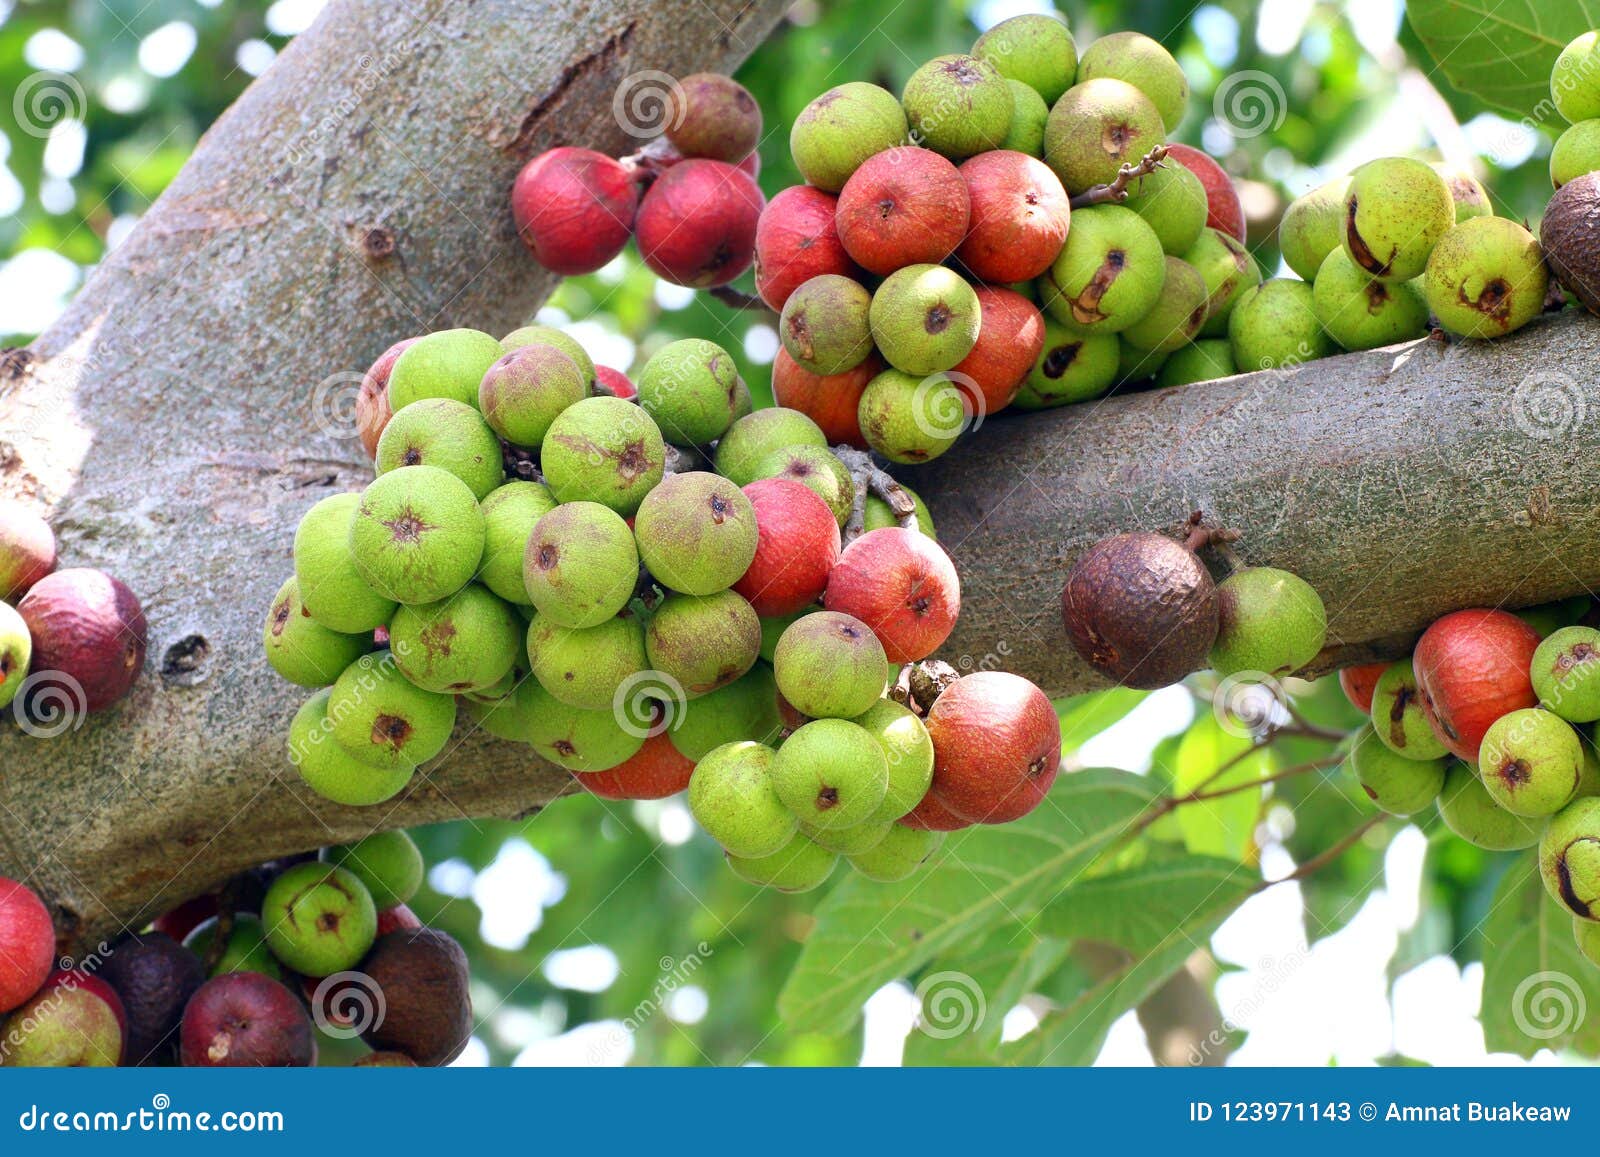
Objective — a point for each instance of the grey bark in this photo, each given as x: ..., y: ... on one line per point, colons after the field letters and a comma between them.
x: 197, y: 398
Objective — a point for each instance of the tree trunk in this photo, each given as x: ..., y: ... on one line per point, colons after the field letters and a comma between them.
x: 197, y: 398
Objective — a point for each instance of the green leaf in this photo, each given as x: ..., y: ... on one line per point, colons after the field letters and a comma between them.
x: 1223, y: 827
x: 1203, y: 893
x: 965, y: 996
x: 1085, y: 716
x: 867, y: 934
x: 1501, y: 51
x: 1538, y: 990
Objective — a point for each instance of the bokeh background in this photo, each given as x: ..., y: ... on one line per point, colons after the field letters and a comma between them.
x: 608, y: 934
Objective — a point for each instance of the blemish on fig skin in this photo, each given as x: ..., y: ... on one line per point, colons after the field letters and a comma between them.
x: 280, y: 617
x: 827, y: 798
x: 390, y: 731
x: 1059, y: 360
x: 937, y: 319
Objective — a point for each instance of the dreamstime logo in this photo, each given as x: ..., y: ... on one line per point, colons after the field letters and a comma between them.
x: 50, y: 703
x: 648, y: 703
x: 647, y: 104
x: 951, y: 1004
x: 45, y: 99
x: 945, y: 404
x: 333, y: 403
x: 1548, y: 405
x: 347, y: 1004
x: 1250, y: 103
x: 1547, y: 1005
x: 1246, y: 703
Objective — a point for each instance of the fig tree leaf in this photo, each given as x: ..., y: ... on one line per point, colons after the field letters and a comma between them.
x: 1223, y: 827
x: 1500, y: 52
x: 1085, y: 716
x: 1538, y: 990
x: 1205, y: 892
x: 867, y: 934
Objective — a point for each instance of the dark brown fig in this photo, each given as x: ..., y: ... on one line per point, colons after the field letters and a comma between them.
x: 427, y: 1010
x: 1570, y: 235
x: 155, y: 976
x: 1140, y: 609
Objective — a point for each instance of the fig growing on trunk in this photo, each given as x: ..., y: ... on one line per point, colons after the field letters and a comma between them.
x: 1140, y: 609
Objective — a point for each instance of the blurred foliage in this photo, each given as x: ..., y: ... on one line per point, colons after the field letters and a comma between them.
x: 630, y: 878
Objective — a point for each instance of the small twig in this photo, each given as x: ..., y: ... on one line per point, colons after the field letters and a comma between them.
x: 738, y: 298
x: 1298, y: 769
x: 649, y: 161
x: 1323, y: 858
x: 1117, y: 191
x: 868, y: 478
x: 1306, y: 729
x: 520, y: 462
x: 928, y: 680
x: 900, y: 690
x: 681, y: 461
x: 227, y: 906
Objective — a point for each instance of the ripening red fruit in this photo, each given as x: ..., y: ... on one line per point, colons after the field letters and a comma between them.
x: 655, y: 771
x: 996, y: 747
x: 1224, y: 209
x: 1358, y: 682
x: 27, y: 943
x: 903, y: 585
x: 574, y: 209
x: 697, y: 224
x: 1010, y: 340
x: 88, y: 627
x: 1473, y: 667
x: 186, y: 917
x: 1019, y: 216
x: 397, y: 919
x: 904, y: 206
x: 372, y: 398
x: 797, y: 544
x: 615, y: 383
x: 932, y: 816
x: 832, y: 402
x: 796, y: 241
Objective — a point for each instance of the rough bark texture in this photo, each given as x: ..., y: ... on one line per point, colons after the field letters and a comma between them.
x: 1400, y: 483
x: 198, y: 396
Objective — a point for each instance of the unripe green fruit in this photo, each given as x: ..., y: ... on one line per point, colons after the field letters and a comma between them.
x: 1028, y: 116
x: 799, y: 866
x: 586, y: 667
x: 818, y: 470
x: 772, y: 629
x: 1096, y: 127
x: 1576, y: 152
x: 1486, y: 278
x: 1471, y: 198
x: 1172, y: 201
x: 330, y: 770
x: 1313, y: 227
x: 824, y: 324
x: 331, y: 587
x: 1569, y: 858
x: 924, y: 318
x: 689, y: 388
x: 521, y: 394
x: 1566, y: 674
x: 1268, y: 620
x: 1228, y: 271
x: 16, y: 646
x: 572, y: 737
x: 1035, y: 49
x: 1548, y: 618
x: 299, y: 648
x: 848, y: 841
x: 958, y: 105
x: 388, y: 863
x: 1587, y: 934
x: 1395, y: 212
x: 1470, y: 812
x: 417, y: 535
x: 445, y: 433
x: 509, y: 515
x: 1177, y: 315
x: 319, y: 918
x: 696, y: 533
x: 831, y: 665
x: 751, y: 440
x: 1072, y: 367
x: 1361, y: 313
x: 909, y: 751
x: 581, y: 565
x: 703, y: 642
x: 446, y: 364
x: 603, y: 450
x: 840, y: 129
x: 898, y: 855
x: 878, y: 514
x: 1575, y: 79
x: 245, y: 951
x: 1203, y: 361
x: 1274, y: 325
x: 746, y: 709
x: 1108, y: 275
x: 551, y: 336
x: 1143, y: 63
x: 832, y: 774
x: 1531, y: 760
x: 911, y: 419
x: 1398, y: 718
x: 466, y: 642
x: 507, y: 711
x: 1137, y: 365
x: 383, y: 719
x: 1398, y: 785
x: 731, y: 796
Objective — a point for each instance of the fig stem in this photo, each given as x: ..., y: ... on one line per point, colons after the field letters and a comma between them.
x: 928, y: 680
x: 1325, y: 857
x: 1117, y: 191
x: 227, y: 906
x: 1298, y: 769
x: 869, y: 479
x: 738, y: 298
